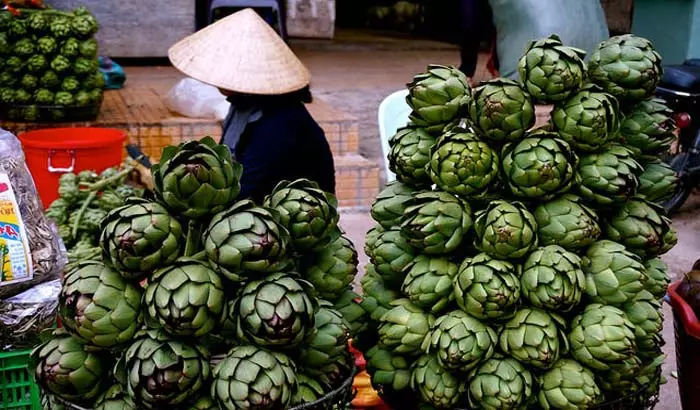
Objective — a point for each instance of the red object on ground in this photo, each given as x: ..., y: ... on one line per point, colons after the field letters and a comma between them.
x: 687, y: 332
x: 53, y: 152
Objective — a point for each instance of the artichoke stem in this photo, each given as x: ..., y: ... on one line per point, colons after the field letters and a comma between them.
x: 101, y: 185
x: 81, y: 213
x: 194, y: 231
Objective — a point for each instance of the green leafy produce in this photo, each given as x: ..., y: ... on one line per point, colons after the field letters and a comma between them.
x: 65, y: 99
x: 437, y: 96
x: 29, y: 82
x: 409, y: 155
x: 70, y: 48
x: 83, y: 99
x: 15, y: 64
x: 7, y: 95
x: 8, y: 79
x: 17, y: 29
x: 85, y: 66
x: 88, y: 48
x: 501, y: 110
x: 84, y: 25
x: 37, y: 64
x: 22, y: 97
x: 70, y: 84
x: 50, y: 80
x: 60, y: 26
x: 24, y: 47
x: 5, y: 44
x: 37, y: 23
x: 47, y: 45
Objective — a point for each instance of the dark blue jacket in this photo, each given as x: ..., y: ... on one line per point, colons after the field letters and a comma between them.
x: 285, y: 144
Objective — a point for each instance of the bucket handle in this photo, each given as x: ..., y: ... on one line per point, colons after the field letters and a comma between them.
x: 70, y: 168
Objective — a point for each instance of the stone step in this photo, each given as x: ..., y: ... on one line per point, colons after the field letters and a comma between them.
x: 357, y: 181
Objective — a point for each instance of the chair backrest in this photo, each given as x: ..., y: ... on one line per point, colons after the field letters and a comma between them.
x: 393, y: 114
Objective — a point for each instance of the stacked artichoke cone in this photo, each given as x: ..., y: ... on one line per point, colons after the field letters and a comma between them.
x: 197, y: 275
x: 514, y: 268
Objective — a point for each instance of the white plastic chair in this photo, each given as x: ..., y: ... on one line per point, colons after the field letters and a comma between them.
x: 393, y: 114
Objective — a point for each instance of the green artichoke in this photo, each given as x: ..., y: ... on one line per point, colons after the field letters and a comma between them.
x: 351, y: 306
x: 540, y: 166
x: 50, y: 402
x: 24, y: 47
x: 161, y: 372
x: 372, y: 238
x: 644, y: 312
x: 649, y: 129
x: 186, y: 298
x: 601, y: 336
x: 277, y: 311
x: 621, y: 378
x: 17, y: 29
x: 460, y: 341
x: 197, y: 178
x: 83, y: 99
x: 534, y: 337
x: 309, y: 214
x: 64, y: 99
x: 84, y: 25
x: 436, y: 385
x: 37, y: 22
x: 70, y: 48
x: 309, y: 390
x: 501, y: 110
x: 463, y: 165
x: 642, y: 227
x: 58, y: 211
x: 388, y: 370
x: 608, y: 177
x: 205, y: 402
x: 588, y: 119
x: 139, y: 237
x: 500, y: 384
x: 505, y: 230
x: 98, y: 306
x: 14, y: 65
x: 115, y: 398
x: 29, y: 82
x: 60, y: 26
x: 614, y: 275
x: 22, y: 97
x: 410, y: 154
x: 62, y: 366
x: 437, y: 96
x: 60, y: 64
x: 5, y: 44
x: 325, y: 355
x: 626, y: 66
x: 428, y: 282
x: 566, y: 221
x: 88, y: 48
x: 49, y: 80
x: 487, y: 288
x: 391, y: 203
x: 550, y: 71
x: 9, y: 80
x: 403, y: 328
x: 37, y: 64
x: 7, y: 96
x: 657, y: 277
x: 68, y: 187
x: 85, y: 66
x: 254, y: 378
x: 46, y: 45
x: 31, y: 113
x: 567, y: 385
x: 378, y: 296
x: 332, y: 269
x: 390, y: 256
x: 70, y: 84
x: 658, y: 182
x: 552, y: 279
x: 245, y: 241
x: 436, y: 222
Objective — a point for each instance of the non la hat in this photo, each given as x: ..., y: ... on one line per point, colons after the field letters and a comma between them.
x: 240, y: 53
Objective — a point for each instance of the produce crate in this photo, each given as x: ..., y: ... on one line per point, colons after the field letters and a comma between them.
x: 49, y: 113
x: 18, y: 391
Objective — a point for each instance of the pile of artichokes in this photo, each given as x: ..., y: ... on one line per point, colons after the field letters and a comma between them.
x: 204, y: 300
x: 514, y: 267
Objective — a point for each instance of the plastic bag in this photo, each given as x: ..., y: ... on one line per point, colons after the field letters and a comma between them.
x: 196, y: 99
x: 579, y: 23
x: 31, y: 251
x: 23, y: 317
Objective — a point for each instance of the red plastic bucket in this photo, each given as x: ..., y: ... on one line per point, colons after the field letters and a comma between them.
x: 687, y: 332
x: 55, y: 151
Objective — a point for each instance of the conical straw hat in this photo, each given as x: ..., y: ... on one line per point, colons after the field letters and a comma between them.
x: 240, y: 53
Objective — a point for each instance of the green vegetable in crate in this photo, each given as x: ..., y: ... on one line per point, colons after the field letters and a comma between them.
x: 5, y: 44
x: 614, y: 275
x: 47, y: 45
x: 566, y: 221
x: 140, y: 237
x: 24, y: 47
x: 70, y: 84
x: 378, y: 297
x: 601, y: 337
x: 552, y: 279
x: 65, y: 99
x: 14, y: 64
x: 390, y: 204
x: 460, y: 341
x: 68, y: 187
x: 70, y: 48
x: 186, y: 298
x: 37, y: 23
x: 325, y: 355
x: 567, y: 385
x: 409, y: 155
x: 161, y: 372
x: 8, y: 79
x: 96, y: 80
x: 487, y: 288
x: 197, y: 178
x: 550, y: 71
x: 621, y: 379
x: 60, y: 26
x: 436, y: 222
x: 83, y: 99
x: 404, y: 327
x: 657, y: 277
x: 534, y: 337
x: 85, y: 66
x: 437, y: 96
x: 658, y: 182
x: 626, y: 66
x: 22, y: 97
x: 5, y: 19
x: 501, y: 110
x: 17, y: 29
x: 428, y: 282
x: 60, y: 64
x: 308, y: 390
x: 88, y: 48
x: 462, y: 164
x: 391, y: 254
x: 29, y: 82
x: 332, y: 269
x: 7, y: 96
x: 500, y: 383
x: 608, y: 177
x: 540, y: 166
x: 642, y: 227
x: 36, y: 64
x: 245, y: 241
x: 49, y: 80
x: 388, y: 370
x: 62, y: 366
x: 649, y: 129
x: 115, y: 398
x: 644, y: 312
x: 505, y: 230
x: 436, y: 385
x: 96, y: 96
x: 84, y: 25
x: 277, y: 311
x: 269, y: 381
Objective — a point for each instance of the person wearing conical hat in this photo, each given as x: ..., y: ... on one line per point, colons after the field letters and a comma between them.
x: 268, y: 128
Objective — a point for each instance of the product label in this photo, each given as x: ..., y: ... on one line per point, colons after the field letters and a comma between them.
x: 15, y: 256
